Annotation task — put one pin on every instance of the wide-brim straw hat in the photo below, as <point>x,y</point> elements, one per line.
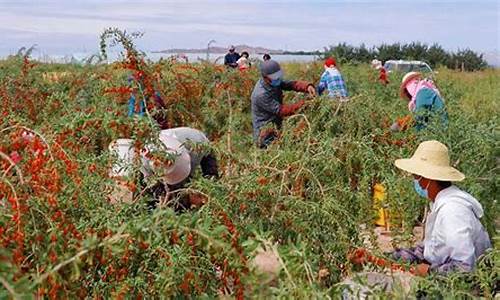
<point>431,161</point>
<point>406,79</point>
<point>181,168</point>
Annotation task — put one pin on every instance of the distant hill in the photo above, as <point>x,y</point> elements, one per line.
<point>215,49</point>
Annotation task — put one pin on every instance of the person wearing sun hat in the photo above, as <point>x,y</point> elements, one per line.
<point>184,150</point>
<point>424,102</point>
<point>267,101</point>
<point>332,81</point>
<point>382,77</point>
<point>174,161</point>
<point>454,236</point>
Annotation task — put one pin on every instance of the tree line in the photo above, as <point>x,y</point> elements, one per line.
<point>435,55</point>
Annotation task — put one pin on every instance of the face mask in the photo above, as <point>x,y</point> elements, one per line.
<point>276,82</point>
<point>422,192</point>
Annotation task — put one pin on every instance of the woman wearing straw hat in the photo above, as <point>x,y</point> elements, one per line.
<point>424,101</point>
<point>454,237</point>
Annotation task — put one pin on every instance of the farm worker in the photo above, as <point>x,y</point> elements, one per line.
<point>243,62</point>
<point>188,149</point>
<point>454,236</point>
<point>136,103</point>
<point>231,58</point>
<point>376,64</point>
<point>159,113</point>
<point>135,106</point>
<point>267,101</point>
<point>424,101</point>
<point>382,77</point>
<point>332,80</point>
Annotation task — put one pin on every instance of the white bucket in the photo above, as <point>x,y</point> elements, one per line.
<point>123,149</point>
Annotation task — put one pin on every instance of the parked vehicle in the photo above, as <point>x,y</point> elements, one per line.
<point>405,66</point>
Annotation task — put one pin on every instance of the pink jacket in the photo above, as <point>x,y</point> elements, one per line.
<point>415,86</point>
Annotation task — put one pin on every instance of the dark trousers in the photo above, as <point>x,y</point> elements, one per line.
<point>267,138</point>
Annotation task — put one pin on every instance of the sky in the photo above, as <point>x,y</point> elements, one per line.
<point>69,26</point>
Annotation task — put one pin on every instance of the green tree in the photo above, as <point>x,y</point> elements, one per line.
<point>435,55</point>
<point>467,60</point>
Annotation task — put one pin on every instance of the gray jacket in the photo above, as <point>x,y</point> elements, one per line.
<point>267,100</point>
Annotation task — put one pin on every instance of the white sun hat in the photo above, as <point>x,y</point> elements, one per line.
<point>431,161</point>
<point>124,150</point>
<point>376,64</point>
<point>181,168</point>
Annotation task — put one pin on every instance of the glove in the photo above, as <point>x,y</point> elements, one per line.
<point>405,255</point>
<point>197,200</point>
<point>405,122</point>
<point>289,109</point>
<point>358,257</point>
<point>422,270</point>
<point>412,255</point>
<point>395,127</point>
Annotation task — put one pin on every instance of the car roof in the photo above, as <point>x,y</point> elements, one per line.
<point>413,62</point>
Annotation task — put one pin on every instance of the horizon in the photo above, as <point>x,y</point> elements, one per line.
<point>60,27</point>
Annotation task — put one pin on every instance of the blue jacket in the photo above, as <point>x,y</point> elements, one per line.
<point>429,105</point>
<point>230,59</point>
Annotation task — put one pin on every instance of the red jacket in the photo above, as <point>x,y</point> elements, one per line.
<point>383,76</point>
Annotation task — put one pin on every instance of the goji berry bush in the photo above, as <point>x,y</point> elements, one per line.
<point>303,198</point>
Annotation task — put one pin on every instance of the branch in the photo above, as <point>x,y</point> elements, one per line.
<point>59,266</point>
<point>12,165</point>
<point>9,288</point>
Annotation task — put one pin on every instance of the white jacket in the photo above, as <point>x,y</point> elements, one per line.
<point>453,231</point>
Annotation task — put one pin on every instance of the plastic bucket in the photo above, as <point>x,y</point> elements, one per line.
<point>123,150</point>
<point>379,197</point>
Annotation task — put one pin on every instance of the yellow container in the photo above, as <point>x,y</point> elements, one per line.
<point>379,196</point>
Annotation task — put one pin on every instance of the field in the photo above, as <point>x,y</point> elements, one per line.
<point>303,199</point>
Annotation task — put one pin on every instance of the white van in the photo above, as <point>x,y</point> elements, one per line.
<point>405,66</point>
